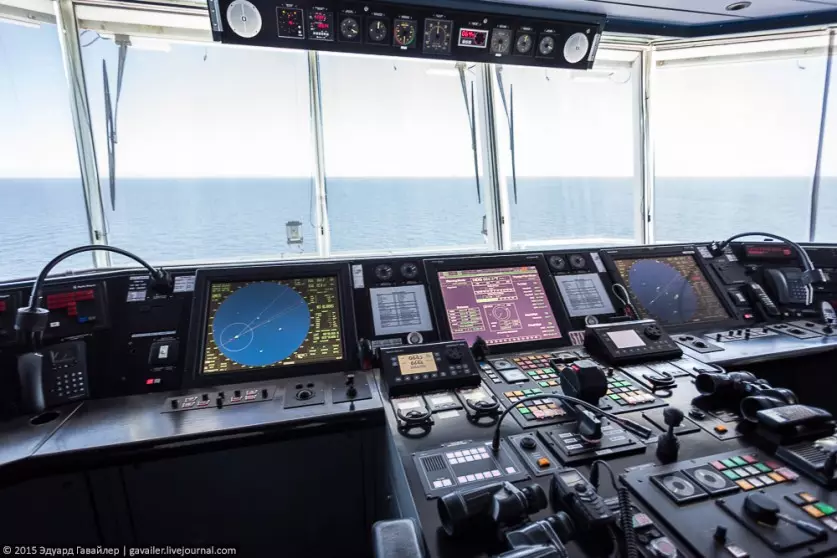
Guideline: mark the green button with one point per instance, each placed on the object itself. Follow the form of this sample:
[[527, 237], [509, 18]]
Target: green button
[[738, 461], [731, 475], [762, 467], [524, 411], [543, 384], [536, 391], [528, 392], [532, 372], [825, 508], [729, 462], [614, 396]]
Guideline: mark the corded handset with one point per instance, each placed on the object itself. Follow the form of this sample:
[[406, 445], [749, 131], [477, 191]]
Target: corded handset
[[793, 416], [55, 375], [786, 285], [762, 301]]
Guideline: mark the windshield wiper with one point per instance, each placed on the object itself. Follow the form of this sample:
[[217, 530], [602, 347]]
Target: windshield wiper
[[509, 110], [111, 111], [471, 111]]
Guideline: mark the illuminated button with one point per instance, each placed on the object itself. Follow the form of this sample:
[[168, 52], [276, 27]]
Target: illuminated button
[[518, 393], [830, 523], [762, 467], [524, 411], [813, 511], [731, 475], [721, 429], [756, 482], [787, 473], [777, 477], [767, 480], [807, 497], [728, 462], [749, 459], [543, 384], [744, 485], [543, 463], [718, 465], [738, 461], [825, 508], [751, 470]]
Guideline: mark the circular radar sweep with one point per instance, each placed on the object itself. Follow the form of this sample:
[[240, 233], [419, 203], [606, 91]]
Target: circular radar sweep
[[261, 324], [663, 291]]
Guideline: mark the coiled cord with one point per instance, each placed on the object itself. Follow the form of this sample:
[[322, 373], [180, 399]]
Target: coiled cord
[[626, 515]]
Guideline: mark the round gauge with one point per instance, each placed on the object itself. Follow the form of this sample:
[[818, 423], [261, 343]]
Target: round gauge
[[414, 338], [349, 28], [524, 43], [591, 320], [404, 33], [576, 48], [244, 19], [251, 330], [577, 261], [378, 31], [437, 35], [409, 270], [557, 263], [501, 41], [546, 46], [384, 272]]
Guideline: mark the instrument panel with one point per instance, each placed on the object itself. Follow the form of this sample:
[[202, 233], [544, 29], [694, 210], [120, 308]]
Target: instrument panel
[[221, 323], [519, 36]]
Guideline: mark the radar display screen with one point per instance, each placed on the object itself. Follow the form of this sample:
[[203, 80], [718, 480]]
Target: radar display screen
[[503, 305], [267, 324], [671, 289]]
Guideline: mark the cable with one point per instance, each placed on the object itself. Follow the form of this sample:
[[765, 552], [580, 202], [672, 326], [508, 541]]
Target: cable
[[626, 514], [622, 294], [627, 424]]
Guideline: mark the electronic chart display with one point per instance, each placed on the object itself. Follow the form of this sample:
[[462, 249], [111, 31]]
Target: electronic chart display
[[501, 305], [584, 295], [671, 289], [397, 310], [267, 324]]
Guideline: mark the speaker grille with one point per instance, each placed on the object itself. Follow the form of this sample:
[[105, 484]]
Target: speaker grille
[[433, 463]]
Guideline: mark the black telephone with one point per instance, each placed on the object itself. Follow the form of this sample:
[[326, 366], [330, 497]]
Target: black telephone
[[762, 301], [55, 375], [786, 285], [789, 417]]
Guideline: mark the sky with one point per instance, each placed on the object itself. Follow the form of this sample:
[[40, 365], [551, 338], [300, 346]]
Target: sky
[[212, 111]]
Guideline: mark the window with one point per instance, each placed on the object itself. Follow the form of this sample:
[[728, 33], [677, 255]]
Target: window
[[213, 158], [40, 188], [736, 141], [398, 156], [576, 152], [826, 229]]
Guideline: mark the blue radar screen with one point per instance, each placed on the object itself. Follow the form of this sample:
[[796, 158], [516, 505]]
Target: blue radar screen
[[672, 289], [272, 323]]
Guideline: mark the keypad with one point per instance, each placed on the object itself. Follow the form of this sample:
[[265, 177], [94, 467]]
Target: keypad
[[623, 392], [749, 473], [489, 371], [538, 369], [537, 409], [811, 505], [69, 384]]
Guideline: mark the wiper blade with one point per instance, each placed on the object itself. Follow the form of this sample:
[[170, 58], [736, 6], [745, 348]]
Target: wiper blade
[[508, 108], [111, 112], [471, 111]]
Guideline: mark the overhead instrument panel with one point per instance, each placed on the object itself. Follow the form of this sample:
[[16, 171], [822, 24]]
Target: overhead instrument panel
[[529, 37], [673, 289]]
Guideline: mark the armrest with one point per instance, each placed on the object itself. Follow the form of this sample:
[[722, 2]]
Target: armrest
[[397, 538]]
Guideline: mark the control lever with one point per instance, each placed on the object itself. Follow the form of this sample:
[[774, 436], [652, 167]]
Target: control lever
[[828, 316], [351, 390], [668, 446], [764, 509]]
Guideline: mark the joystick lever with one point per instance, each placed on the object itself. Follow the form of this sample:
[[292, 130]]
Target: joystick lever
[[668, 445], [351, 390], [764, 509]]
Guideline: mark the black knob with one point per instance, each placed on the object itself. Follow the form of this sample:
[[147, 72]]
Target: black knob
[[219, 401], [828, 329], [581, 488], [720, 533], [528, 443], [696, 413], [264, 394], [237, 393], [454, 354], [221, 394], [653, 332], [205, 397], [350, 379], [174, 404], [673, 416], [717, 337]]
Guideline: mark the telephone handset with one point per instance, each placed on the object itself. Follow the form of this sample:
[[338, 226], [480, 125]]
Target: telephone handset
[[786, 285], [55, 375], [762, 301]]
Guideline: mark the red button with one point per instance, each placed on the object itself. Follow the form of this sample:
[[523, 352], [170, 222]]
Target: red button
[[749, 458], [718, 465]]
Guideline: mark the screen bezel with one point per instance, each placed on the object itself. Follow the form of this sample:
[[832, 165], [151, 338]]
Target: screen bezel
[[609, 257], [200, 316], [432, 267]]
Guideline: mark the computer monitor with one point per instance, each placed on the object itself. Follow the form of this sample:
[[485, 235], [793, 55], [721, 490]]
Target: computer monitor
[[250, 323], [502, 305], [400, 309], [671, 288]]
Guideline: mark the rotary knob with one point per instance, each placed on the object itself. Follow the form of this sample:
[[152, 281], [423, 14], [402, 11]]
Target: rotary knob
[[653, 332], [453, 354]]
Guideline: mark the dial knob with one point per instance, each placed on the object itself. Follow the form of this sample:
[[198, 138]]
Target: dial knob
[[454, 354], [557, 263], [653, 332], [577, 261], [409, 270], [383, 272]]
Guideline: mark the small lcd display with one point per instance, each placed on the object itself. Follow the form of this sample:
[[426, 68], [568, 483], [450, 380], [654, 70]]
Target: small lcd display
[[400, 309], [419, 363], [502, 305], [625, 339], [441, 400], [477, 38], [584, 295], [570, 478]]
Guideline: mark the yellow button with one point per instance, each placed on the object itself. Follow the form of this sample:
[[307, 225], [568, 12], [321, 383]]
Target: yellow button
[[721, 429], [543, 463], [519, 393], [777, 477], [807, 497], [744, 485], [812, 511]]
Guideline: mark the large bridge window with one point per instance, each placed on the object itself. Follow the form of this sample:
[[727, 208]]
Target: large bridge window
[[826, 227], [212, 153], [41, 196], [735, 139], [398, 155], [575, 152]]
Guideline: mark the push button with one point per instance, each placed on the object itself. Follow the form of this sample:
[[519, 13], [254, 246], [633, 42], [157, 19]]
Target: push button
[[543, 463], [721, 429]]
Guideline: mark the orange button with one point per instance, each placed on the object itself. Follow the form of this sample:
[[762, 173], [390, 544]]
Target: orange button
[[807, 497], [777, 477], [721, 429], [518, 393], [543, 463], [744, 485], [812, 511]]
